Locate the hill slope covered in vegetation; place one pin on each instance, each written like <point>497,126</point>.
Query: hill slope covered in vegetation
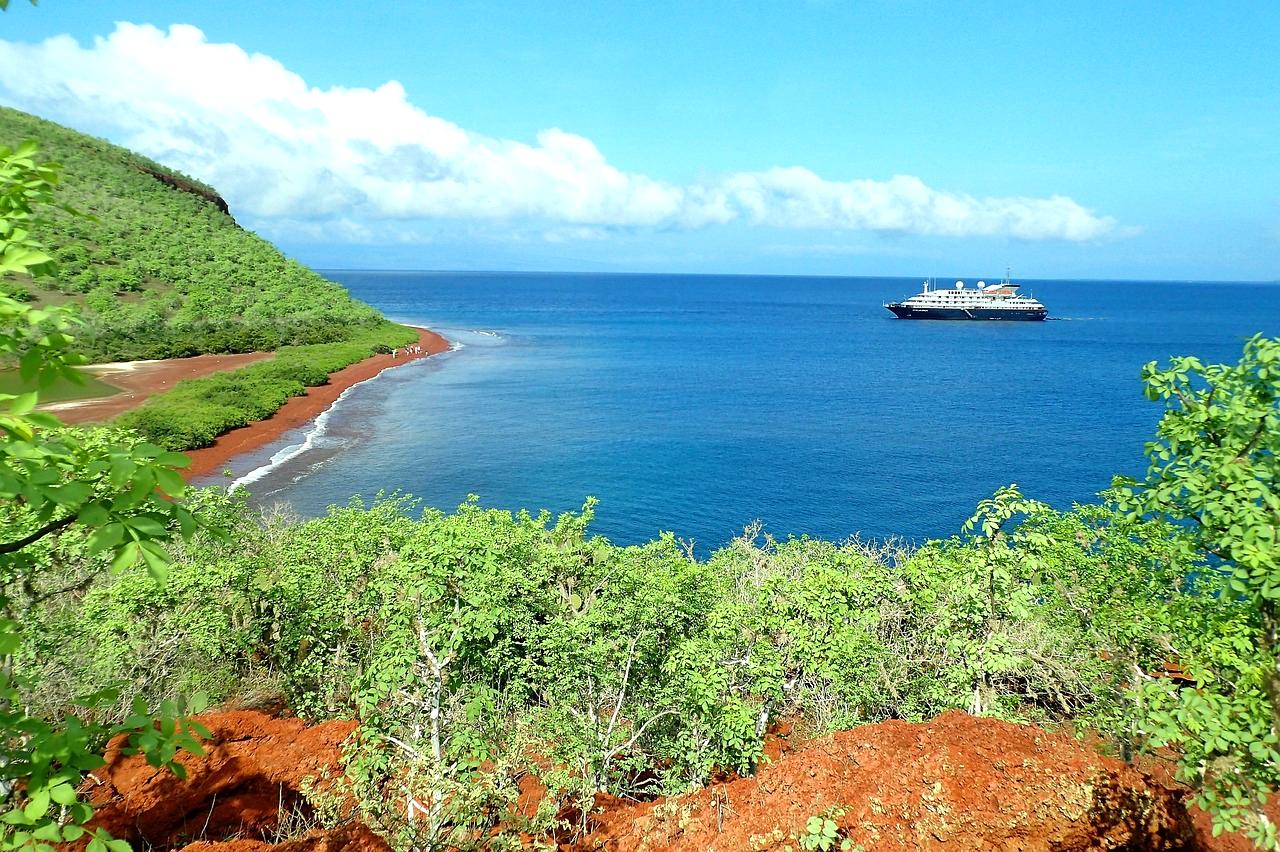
<point>159,266</point>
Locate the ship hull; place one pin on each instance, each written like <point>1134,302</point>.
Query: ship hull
<point>908,312</point>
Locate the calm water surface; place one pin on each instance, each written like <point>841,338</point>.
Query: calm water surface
<point>698,404</point>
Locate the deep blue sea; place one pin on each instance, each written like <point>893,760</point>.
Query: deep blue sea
<point>699,404</point>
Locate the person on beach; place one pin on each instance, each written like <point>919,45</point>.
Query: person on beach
<point>395,352</point>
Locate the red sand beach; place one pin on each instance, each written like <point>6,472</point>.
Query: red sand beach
<point>302,409</point>
<point>139,380</point>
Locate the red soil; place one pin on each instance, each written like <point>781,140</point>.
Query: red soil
<point>302,409</point>
<point>1162,768</point>
<point>139,380</point>
<point>249,775</point>
<point>353,838</point>
<point>956,783</point>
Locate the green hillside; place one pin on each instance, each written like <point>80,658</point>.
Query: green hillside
<point>160,267</point>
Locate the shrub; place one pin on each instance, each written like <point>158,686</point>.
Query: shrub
<point>195,412</point>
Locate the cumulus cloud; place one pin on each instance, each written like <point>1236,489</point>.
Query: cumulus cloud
<point>285,151</point>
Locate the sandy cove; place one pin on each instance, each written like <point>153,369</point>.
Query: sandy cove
<point>138,381</point>
<point>300,410</point>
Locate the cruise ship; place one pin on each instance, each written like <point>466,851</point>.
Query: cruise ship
<point>983,302</point>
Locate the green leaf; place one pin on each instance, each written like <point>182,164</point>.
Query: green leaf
<point>146,526</point>
<point>170,483</point>
<point>71,493</point>
<point>50,831</point>
<point>94,515</point>
<point>15,817</point>
<point>106,538</point>
<point>157,559</point>
<point>125,556</point>
<point>63,794</point>
<point>178,460</point>
<point>23,403</point>
<point>37,805</point>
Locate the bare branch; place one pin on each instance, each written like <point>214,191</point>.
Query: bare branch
<point>406,748</point>
<point>639,733</point>
<point>78,586</point>
<point>622,692</point>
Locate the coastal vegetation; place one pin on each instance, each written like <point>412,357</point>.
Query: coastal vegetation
<point>109,492</point>
<point>158,266</point>
<point>197,411</point>
<point>477,647</point>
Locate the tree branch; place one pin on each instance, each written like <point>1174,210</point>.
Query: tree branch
<point>1257,433</point>
<point>77,586</point>
<point>622,691</point>
<point>51,527</point>
<point>614,752</point>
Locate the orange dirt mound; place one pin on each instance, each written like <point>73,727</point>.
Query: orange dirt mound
<point>352,838</point>
<point>956,783</point>
<point>249,775</point>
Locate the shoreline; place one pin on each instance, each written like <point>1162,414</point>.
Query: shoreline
<point>300,410</point>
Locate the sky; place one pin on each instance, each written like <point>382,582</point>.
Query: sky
<point>870,137</point>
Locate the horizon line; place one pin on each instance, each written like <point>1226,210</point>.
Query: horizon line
<point>580,272</point>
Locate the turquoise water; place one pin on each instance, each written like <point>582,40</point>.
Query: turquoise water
<point>699,404</point>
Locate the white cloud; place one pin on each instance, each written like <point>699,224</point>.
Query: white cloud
<point>283,151</point>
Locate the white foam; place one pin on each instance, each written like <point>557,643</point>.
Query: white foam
<point>319,428</point>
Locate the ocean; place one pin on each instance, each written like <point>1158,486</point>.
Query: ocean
<point>701,404</point>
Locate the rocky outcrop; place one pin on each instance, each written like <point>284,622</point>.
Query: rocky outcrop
<point>185,184</point>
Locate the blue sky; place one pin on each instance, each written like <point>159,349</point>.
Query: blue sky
<point>1073,140</point>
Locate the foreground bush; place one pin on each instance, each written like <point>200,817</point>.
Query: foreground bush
<point>482,639</point>
<point>1215,472</point>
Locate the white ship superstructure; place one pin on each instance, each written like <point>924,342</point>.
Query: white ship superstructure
<point>983,302</point>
